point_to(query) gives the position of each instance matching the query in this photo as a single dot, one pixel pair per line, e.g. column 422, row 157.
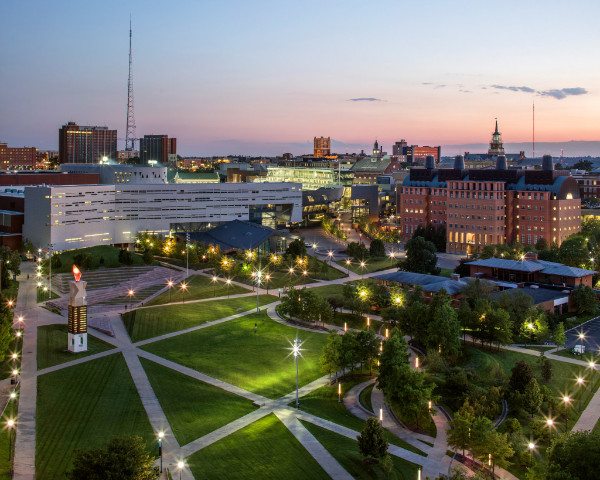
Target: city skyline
column 235, row 79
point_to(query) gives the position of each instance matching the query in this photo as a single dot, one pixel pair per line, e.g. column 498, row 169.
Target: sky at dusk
column 266, row 76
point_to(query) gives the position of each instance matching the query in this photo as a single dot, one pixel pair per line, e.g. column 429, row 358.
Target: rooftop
column 538, row 295
column 530, row 266
column 429, row 283
column 235, row 235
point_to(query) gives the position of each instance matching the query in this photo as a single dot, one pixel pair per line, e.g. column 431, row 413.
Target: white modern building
column 310, row 178
column 68, row 217
column 117, row 173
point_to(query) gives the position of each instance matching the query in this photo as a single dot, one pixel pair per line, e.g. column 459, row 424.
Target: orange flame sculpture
column 76, row 273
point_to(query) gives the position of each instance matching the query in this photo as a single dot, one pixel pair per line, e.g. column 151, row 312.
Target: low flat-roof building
column 530, row 270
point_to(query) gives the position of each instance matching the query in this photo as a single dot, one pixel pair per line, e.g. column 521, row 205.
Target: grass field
column 264, row 449
column 151, row 322
column 351, row 320
column 371, row 265
column 193, row 408
column 365, row 398
column 327, row 291
column 109, row 253
column 52, row 346
column 259, row 362
column 7, row 442
column 345, row 451
column 281, row 277
column 42, row 296
column 199, row 287
column 323, row 403
column 83, row 407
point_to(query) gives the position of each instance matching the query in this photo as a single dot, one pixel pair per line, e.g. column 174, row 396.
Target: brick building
column 22, row 158
column 486, row 207
column 86, row 144
column 322, row 146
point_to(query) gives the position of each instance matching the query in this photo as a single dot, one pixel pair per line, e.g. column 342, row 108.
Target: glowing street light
column 296, row 352
column 580, row 381
column 550, row 423
column 417, row 363
column 348, row 263
column 13, row 395
column 345, row 327
column 363, row 264
column 14, row 356
column 10, row 425
column 130, row 293
column 387, row 333
column 10, row 303
column 581, row 336
column 214, row 280
column 531, row 447
column 180, row 467
column 339, row 392
column 228, row 283
column 20, row 319
column 330, row 255
column 381, row 414
column 170, row 284
column 368, row 323
column 183, row 287
column 566, row 400
column 160, row 437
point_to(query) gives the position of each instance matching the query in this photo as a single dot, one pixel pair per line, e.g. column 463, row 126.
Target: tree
column 367, row 346
column 498, row 445
column 515, row 304
column 394, row 356
column 574, row 456
column 357, row 251
column 83, row 260
column 296, row 248
column 559, row 336
column 411, row 391
column 481, row 429
column 541, row 244
column 420, row 257
column 496, row 327
column 147, row 256
column 586, row 165
column 443, row 329
column 377, row 248
column 546, row 368
column 532, row 397
column 125, row 257
column 55, row 261
column 371, row 441
column 585, row 300
column 574, row 251
column 535, row 326
column 435, row 234
column 124, row 458
column 459, row 435
column 331, row 357
column 521, row 376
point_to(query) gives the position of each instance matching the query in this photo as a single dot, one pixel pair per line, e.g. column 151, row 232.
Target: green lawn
column 7, row 444
column 52, row 346
column 199, row 287
column 371, row 265
column 365, row 397
column 263, row 450
column 345, row 451
column 327, row 291
column 42, row 296
column 10, row 292
column 281, row 277
column 8, row 364
column 151, row 322
column 83, row 407
column 109, row 253
column 193, row 408
column 426, row 425
column 259, row 362
column 323, row 403
column 351, row 320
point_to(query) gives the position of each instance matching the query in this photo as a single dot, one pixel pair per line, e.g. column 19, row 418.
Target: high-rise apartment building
column 322, row 146
column 158, row 148
column 398, row 148
column 481, row 207
column 86, row 144
column 22, row 158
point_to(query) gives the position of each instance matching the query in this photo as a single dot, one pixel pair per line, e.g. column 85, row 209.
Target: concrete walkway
column 312, row 445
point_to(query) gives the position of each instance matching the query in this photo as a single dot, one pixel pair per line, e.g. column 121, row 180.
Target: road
column 591, row 339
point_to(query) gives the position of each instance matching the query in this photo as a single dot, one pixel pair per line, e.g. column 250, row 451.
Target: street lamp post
column 160, row 437
column 130, row 293
column 214, row 282
column 296, row 351
column 228, row 283
column 580, row 381
column 170, row 284
column 258, row 276
column 566, row 399
column 531, row 448
column 348, row 263
column 180, row 467
column 183, row 288
column 10, row 425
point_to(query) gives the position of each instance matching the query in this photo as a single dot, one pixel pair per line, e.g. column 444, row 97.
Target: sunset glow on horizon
column 266, row 77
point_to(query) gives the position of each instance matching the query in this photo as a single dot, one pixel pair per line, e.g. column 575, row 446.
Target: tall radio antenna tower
column 533, row 130
column 130, row 129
